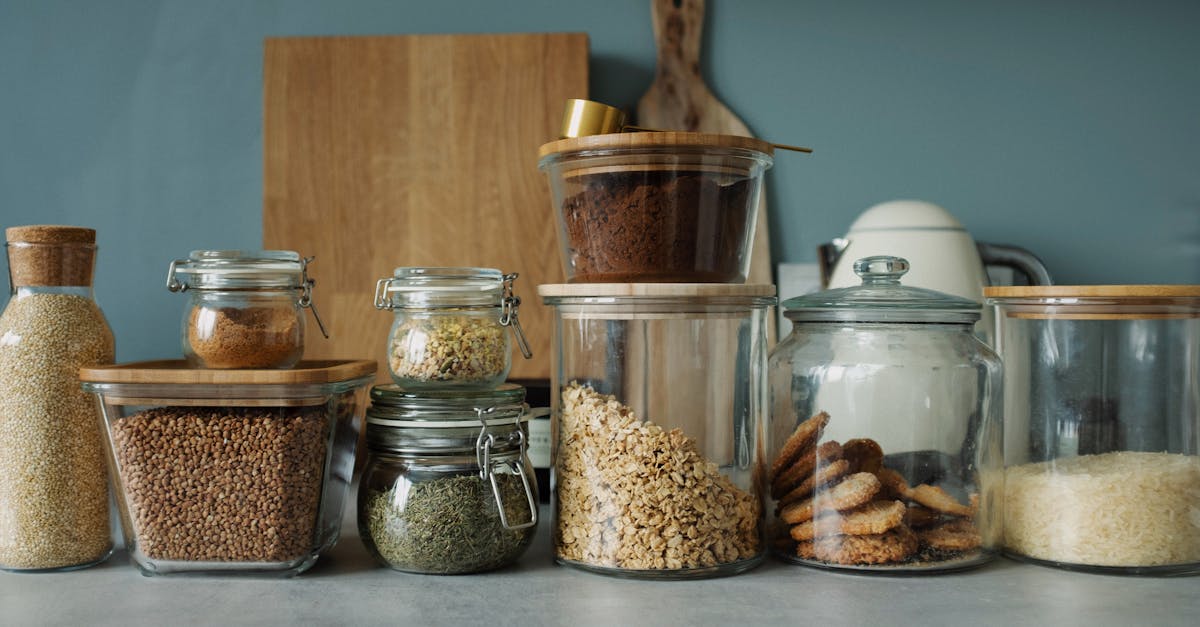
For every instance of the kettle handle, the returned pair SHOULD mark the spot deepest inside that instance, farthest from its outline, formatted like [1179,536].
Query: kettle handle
[1017,258]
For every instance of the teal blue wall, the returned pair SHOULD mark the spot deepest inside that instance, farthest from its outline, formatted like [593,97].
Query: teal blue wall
[1070,128]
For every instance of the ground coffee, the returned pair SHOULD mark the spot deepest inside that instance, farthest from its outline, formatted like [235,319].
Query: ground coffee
[657,226]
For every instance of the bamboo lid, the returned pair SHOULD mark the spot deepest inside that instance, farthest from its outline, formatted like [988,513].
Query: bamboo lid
[51,255]
[177,371]
[656,290]
[1093,291]
[656,139]
[1097,302]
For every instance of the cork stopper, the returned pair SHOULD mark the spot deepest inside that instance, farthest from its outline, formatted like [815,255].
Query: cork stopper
[40,255]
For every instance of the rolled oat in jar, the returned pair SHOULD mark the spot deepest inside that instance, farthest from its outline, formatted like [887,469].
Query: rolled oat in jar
[659,405]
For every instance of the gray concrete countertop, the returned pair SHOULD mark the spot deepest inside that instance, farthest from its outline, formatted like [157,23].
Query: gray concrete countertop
[345,587]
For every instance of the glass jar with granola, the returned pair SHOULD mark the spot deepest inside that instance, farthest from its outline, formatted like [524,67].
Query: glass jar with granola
[449,328]
[658,398]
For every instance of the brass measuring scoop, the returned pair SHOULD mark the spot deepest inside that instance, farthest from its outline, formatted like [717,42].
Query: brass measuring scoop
[588,117]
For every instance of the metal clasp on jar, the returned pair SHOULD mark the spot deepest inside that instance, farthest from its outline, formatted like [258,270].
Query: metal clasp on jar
[306,294]
[509,303]
[483,456]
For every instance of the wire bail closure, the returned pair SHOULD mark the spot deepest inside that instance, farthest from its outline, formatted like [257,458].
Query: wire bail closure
[306,288]
[483,455]
[306,295]
[509,303]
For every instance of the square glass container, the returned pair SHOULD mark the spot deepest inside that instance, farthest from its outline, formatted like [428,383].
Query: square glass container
[230,471]
[659,404]
[656,207]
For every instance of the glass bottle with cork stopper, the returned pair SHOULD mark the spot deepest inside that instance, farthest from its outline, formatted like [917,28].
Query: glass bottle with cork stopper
[53,478]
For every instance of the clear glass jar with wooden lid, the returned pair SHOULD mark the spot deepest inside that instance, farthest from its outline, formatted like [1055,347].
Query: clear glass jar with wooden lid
[1102,426]
[656,206]
[230,471]
[246,308]
[659,402]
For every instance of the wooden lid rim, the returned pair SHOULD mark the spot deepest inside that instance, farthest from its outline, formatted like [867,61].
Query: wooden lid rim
[657,139]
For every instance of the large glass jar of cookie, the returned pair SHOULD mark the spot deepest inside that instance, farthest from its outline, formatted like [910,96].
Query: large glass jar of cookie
[659,397]
[1102,426]
[885,441]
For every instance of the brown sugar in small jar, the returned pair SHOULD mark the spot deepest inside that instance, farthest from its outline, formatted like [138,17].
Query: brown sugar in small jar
[658,207]
[246,308]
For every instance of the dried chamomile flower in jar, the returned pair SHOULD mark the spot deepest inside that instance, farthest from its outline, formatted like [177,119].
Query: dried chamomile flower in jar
[449,329]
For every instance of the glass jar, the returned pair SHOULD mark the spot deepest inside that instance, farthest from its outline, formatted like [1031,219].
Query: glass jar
[449,327]
[658,401]
[229,471]
[1102,426]
[54,512]
[448,488]
[885,431]
[656,207]
[246,308]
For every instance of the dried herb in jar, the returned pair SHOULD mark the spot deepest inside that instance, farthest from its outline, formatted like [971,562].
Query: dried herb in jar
[448,525]
[449,348]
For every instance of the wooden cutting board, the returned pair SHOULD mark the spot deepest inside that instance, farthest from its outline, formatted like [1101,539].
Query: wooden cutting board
[680,100]
[414,150]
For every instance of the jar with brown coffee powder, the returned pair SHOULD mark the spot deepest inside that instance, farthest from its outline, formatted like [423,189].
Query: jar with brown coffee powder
[661,207]
[246,308]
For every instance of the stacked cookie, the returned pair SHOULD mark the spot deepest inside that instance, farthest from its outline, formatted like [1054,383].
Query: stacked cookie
[839,504]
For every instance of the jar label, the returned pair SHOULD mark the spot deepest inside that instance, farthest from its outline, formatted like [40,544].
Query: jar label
[539,442]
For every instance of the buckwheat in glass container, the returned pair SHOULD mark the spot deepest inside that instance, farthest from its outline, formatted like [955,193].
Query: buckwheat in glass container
[448,487]
[1102,422]
[658,401]
[885,438]
[246,308]
[450,326]
[230,471]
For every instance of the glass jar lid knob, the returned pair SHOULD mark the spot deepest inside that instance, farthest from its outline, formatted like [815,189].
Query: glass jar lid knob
[881,269]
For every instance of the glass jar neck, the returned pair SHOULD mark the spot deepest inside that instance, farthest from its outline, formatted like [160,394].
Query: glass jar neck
[84,291]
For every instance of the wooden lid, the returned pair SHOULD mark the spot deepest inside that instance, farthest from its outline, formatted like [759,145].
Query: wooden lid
[178,371]
[656,290]
[1093,291]
[50,234]
[657,139]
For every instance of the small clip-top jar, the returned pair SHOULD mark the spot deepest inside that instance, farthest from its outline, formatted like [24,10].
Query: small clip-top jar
[449,329]
[448,487]
[246,308]
[885,430]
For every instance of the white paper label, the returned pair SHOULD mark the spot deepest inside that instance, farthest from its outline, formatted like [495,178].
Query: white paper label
[539,442]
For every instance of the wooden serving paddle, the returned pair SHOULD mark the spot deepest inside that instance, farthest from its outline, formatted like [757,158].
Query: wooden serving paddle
[679,100]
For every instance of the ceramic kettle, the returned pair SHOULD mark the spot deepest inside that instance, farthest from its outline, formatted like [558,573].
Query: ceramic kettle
[942,254]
